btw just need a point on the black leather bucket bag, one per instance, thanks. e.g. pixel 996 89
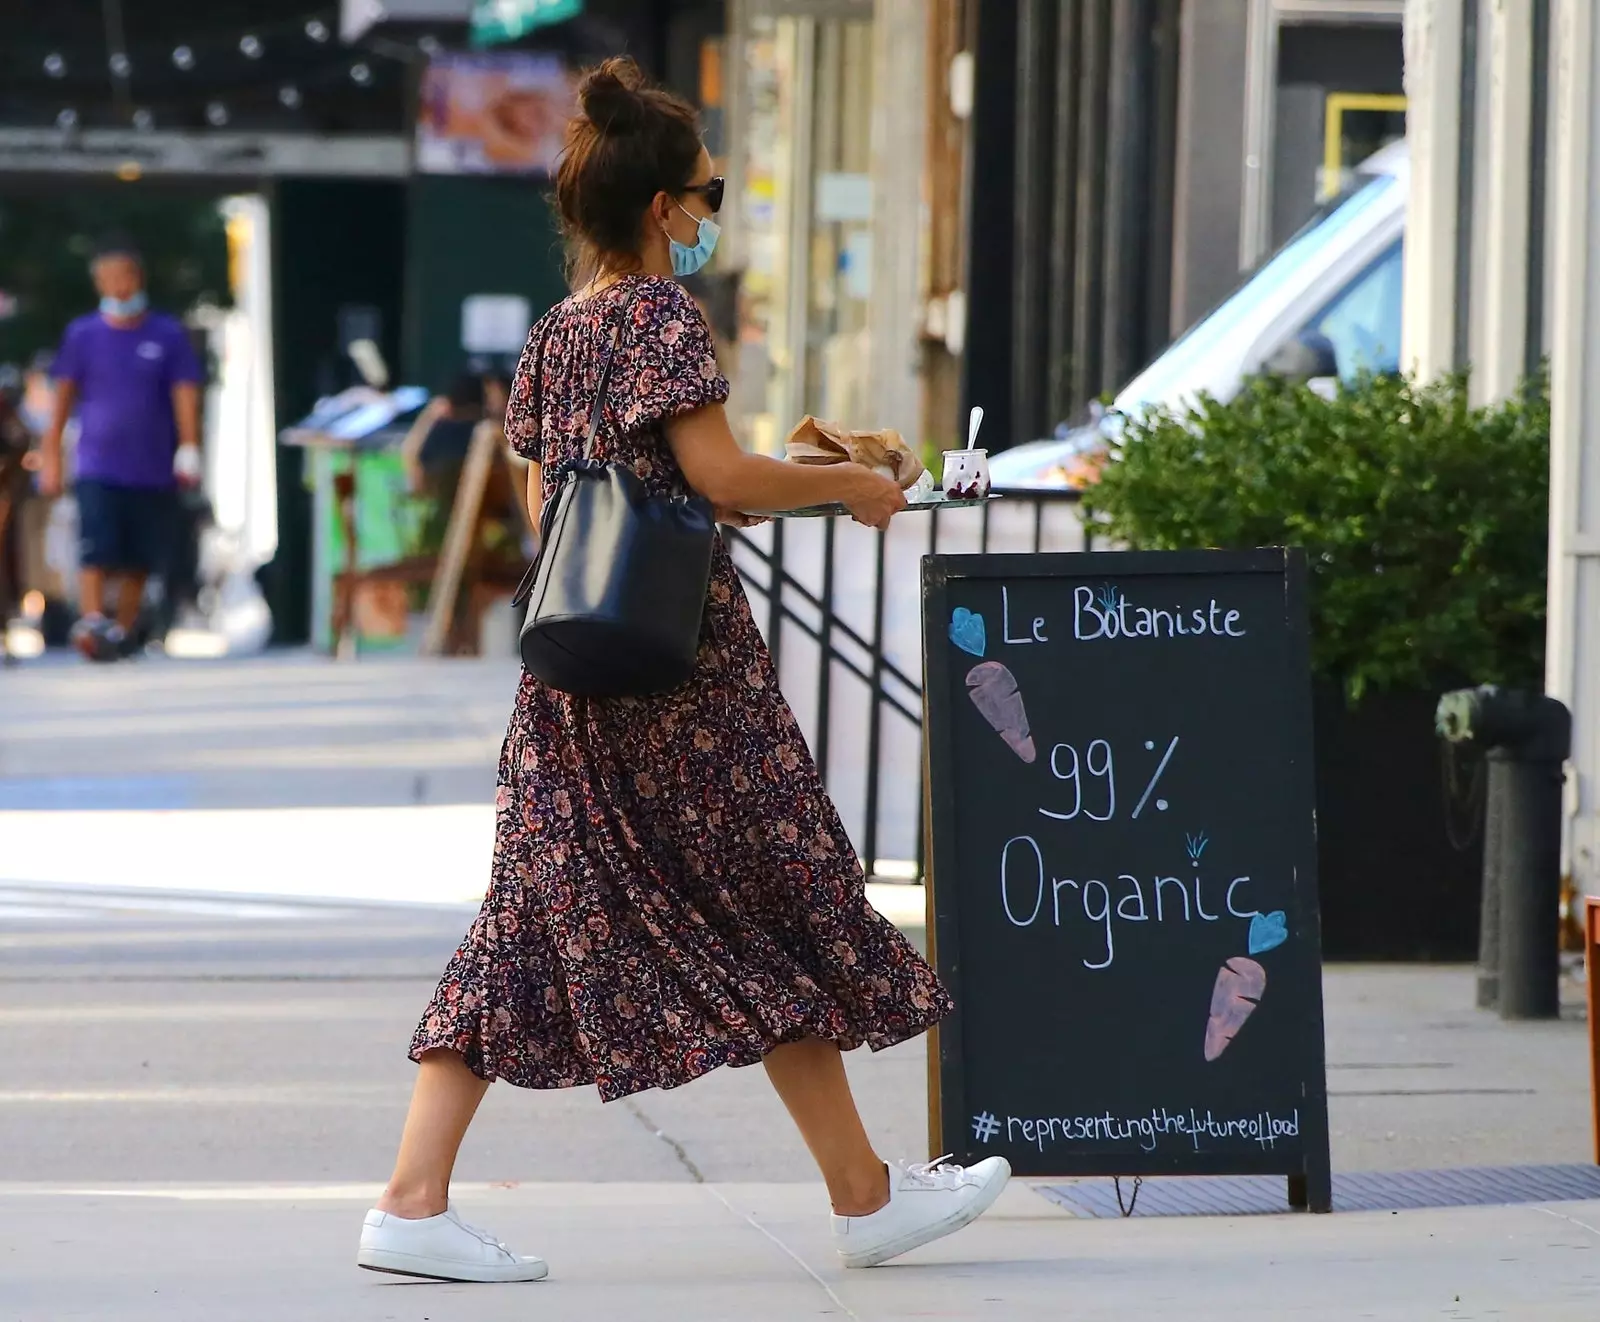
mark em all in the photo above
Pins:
pixel 618 590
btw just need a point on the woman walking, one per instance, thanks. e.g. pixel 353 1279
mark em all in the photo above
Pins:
pixel 672 889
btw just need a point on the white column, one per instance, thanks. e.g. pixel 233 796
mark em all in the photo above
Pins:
pixel 899 123
pixel 1212 48
pixel 734 245
pixel 1572 667
pixel 1501 301
pixel 1433 128
pixel 1260 122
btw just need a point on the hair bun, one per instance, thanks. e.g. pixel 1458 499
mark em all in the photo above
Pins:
pixel 611 96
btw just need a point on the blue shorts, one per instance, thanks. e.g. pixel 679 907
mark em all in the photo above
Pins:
pixel 125 528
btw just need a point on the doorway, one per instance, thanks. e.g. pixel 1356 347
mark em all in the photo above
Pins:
pixel 1340 98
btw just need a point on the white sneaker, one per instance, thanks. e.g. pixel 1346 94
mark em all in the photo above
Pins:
pixel 441 1248
pixel 927 1201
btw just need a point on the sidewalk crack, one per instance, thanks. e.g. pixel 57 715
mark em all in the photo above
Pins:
pixel 750 1219
pixel 682 1153
pixel 695 1174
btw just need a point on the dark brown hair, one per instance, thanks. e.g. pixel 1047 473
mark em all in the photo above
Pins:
pixel 629 141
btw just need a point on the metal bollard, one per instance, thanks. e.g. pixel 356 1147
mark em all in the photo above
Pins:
pixel 1528 739
pixel 1489 904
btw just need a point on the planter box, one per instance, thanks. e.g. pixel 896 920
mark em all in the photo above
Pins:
pixel 1394 885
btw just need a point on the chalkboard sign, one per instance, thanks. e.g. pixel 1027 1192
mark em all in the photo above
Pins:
pixel 1124 865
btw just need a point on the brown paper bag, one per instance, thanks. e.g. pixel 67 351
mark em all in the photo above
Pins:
pixel 816 442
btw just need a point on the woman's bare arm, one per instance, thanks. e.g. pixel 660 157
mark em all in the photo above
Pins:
pixel 715 466
pixel 535 491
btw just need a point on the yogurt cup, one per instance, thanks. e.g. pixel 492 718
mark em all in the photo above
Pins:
pixel 966 474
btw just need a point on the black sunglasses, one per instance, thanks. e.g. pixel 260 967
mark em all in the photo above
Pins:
pixel 713 189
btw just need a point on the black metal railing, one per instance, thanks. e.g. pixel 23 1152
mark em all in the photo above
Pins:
pixel 840 606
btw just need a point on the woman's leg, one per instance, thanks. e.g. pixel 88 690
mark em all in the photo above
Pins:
pixel 810 1077
pixel 443 1103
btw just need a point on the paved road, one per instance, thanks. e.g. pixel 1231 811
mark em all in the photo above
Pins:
pixel 284 730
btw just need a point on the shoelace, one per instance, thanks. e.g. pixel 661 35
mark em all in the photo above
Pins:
pixel 483 1235
pixel 940 1173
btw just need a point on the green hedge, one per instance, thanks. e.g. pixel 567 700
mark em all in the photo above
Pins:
pixel 1424 519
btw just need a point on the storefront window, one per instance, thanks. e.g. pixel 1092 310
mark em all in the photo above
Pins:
pixel 807 216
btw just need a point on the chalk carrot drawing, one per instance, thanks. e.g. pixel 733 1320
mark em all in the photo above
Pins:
pixel 993 690
pixel 1240 985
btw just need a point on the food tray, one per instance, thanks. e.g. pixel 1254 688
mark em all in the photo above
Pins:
pixel 937 501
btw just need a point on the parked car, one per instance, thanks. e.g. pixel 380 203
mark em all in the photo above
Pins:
pixel 1325 307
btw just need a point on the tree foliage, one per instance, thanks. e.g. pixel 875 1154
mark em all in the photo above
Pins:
pixel 1424 519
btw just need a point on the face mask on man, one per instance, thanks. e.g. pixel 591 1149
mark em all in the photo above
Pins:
pixel 686 260
pixel 131 306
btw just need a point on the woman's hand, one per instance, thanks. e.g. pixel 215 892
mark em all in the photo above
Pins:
pixel 871 498
pixel 737 519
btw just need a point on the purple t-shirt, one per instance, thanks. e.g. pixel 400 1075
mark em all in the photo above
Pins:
pixel 124 375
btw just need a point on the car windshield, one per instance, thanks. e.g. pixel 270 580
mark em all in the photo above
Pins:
pixel 1362 322
pixel 1166 376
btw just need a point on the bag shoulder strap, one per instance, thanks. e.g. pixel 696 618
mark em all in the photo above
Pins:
pixel 538 385
pixel 599 410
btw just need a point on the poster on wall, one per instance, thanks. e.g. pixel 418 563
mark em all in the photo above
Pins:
pixel 502 112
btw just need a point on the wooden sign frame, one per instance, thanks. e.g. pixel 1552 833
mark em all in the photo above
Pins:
pixel 1591 960
pixel 1309 1174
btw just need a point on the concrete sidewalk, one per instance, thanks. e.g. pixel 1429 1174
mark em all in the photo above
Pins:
pixel 201 1085
pixel 198 1107
pixel 761 1253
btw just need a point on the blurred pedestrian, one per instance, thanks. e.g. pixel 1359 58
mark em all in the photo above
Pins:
pixel 496 394
pixel 436 446
pixel 132 374
pixel 672 889
pixel 15 452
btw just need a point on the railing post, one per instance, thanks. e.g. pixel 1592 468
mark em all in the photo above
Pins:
pixel 922 747
pixel 875 719
pixel 775 601
pixel 824 652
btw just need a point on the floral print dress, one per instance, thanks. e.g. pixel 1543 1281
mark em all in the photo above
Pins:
pixel 672 889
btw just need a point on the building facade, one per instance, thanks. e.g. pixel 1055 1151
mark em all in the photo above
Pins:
pixel 1019 203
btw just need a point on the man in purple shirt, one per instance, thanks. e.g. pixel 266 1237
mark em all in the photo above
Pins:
pixel 133 377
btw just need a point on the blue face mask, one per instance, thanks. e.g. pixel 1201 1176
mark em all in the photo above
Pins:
pixel 131 306
pixel 687 260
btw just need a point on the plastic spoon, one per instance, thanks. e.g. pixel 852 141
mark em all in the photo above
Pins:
pixel 974 421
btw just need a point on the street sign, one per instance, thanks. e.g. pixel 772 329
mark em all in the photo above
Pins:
pixel 505 20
